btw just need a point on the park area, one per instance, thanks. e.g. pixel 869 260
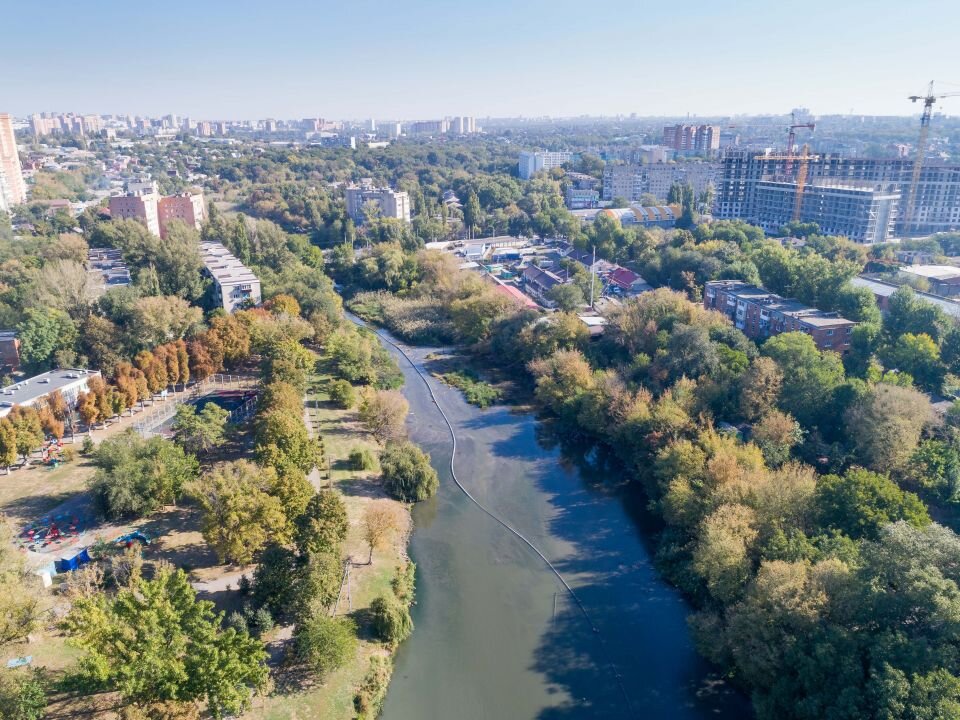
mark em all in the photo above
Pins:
pixel 56 521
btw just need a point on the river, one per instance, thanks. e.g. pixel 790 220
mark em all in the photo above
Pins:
pixel 498 637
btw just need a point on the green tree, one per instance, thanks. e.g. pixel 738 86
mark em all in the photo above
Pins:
pixel 342 394
pixel 135 477
pixel 200 432
pixel 42 333
pixel 861 502
pixel 324 643
pixel 567 297
pixel 22 695
pixel 384 413
pixel 156 642
pixel 323 525
pixel 8 443
pixel 919 356
pixel 809 376
pixel 391 619
pixel 239 515
pixel 406 472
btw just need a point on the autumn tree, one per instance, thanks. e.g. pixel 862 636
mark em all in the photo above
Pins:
pixel 382 521
pixel 384 413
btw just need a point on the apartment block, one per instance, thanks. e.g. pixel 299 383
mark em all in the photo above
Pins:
pixel 392 204
pixel 141 205
pixel 760 314
pixel 633 181
pixel 187 207
pixel 862 211
pixel 937 201
pixel 697 139
pixel 533 162
pixel 13 190
pixel 235 285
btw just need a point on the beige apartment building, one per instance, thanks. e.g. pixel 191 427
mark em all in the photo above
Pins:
pixel 186 207
pixel 13 190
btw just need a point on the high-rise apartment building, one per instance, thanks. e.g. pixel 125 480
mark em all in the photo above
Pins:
pixel 533 162
pixel 13 190
pixel 186 207
pixel 936 207
pixel 697 139
pixel 138 205
pixel 144 203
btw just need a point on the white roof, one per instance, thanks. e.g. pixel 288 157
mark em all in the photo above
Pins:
pixel 935 272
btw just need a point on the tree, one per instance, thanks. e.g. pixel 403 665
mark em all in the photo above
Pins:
pixel 775 434
pixel 29 430
pixel 323 525
pixel 8 443
pixel 200 432
pixel 156 642
pixel 384 412
pixel 382 520
pixel 391 619
pixel 342 394
pixel 275 580
pixel 407 473
pixel 164 318
pixel 809 376
pixel 861 502
pixel 935 466
pixel 22 695
pixel 239 516
pixel 885 425
pixel 19 593
pixel 472 214
pixel 722 554
pixel 324 643
pixel 135 477
pixel 760 388
pixel 567 296
pixel 919 356
pixel 42 333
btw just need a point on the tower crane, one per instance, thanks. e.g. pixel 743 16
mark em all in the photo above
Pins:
pixel 928 102
pixel 792 136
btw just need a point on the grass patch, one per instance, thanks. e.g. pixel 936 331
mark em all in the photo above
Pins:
pixel 475 391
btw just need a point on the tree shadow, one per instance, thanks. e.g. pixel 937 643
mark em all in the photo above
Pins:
pixel 361 487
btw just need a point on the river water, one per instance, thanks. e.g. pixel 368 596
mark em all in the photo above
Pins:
pixel 497 635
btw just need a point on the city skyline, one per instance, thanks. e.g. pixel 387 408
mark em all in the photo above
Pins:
pixel 496 60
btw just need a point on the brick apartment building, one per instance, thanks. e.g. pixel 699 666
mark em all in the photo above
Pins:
pixel 760 314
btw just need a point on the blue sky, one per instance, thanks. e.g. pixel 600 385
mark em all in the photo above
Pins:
pixel 422 58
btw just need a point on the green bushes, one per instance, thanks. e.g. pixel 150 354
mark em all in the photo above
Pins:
pixel 391 619
pixel 476 392
pixel 361 459
pixel 368 701
pixel 342 394
pixel 324 643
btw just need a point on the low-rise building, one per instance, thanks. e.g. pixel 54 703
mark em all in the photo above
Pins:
pixel 883 290
pixel 664 216
pixel 107 268
pixel 538 282
pixel 235 285
pixel 392 204
pixel 580 198
pixel 70 382
pixel 761 314
pixel 943 279
pixel 9 350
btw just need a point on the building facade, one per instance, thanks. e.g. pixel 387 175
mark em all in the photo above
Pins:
pixel 760 314
pixel 694 139
pixel 936 206
pixel 187 207
pixel 70 382
pixel 533 162
pixel 392 204
pixel 864 212
pixel 631 182
pixel 138 205
pixel 234 284
pixel 13 190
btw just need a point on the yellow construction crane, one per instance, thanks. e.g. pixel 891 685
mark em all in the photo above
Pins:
pixel 803 165
pixel 928 101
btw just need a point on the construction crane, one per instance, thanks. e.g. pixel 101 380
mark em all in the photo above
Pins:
pixel 928 102
pixel 801 182
pixel 792 137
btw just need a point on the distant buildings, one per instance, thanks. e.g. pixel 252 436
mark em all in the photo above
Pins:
pixel 392 204
pixel 429 127
pixel 13 190
pixel 9 351
pixel 581 198
pixel 861 211
pixel 664 216
pixel 631 182
pixel 533 162
pixel 693 139
pixel 42 124
pixel 235 285
pixel 142 202
pixel 70 383
pixel 943 279
pixel 760 314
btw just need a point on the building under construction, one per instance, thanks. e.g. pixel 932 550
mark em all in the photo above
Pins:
pixel 862 211
pixel 936 204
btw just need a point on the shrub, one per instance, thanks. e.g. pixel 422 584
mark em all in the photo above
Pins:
pixel 368 701
pixel 68 454
pixel 391 619
pixel 87 446
pixel 324 643
pixel 238 621
pixel 342 394
pixel 262 620
pixel 407 473
pixel 476 392
pixel 404 582
pixel 361 459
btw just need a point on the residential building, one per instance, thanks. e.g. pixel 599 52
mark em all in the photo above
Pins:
pixel 936 207
pixel 235 285
pixel 464 125
pixel 760 314
pixel 70 382
pixel 693 139
pixel 534 162
pixel 204 129
pixel 627 281
pixel 392 204
pixel 580 199
pixel 187 207
pixel 943 279
pixel 429 127
pixel 631 182
pixel 538 282
pixel 861 211
pixel 13 190
pixel 883 290
pixel 9 351
pixel 139 204
pixel 107 268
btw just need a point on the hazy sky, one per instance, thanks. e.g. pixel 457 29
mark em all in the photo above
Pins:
pixel 406 59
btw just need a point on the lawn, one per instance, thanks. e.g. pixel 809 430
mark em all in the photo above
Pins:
pixel 27 493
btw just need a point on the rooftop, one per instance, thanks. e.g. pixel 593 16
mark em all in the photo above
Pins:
pixel 223 266
pixel 32 389
pixel 933 272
